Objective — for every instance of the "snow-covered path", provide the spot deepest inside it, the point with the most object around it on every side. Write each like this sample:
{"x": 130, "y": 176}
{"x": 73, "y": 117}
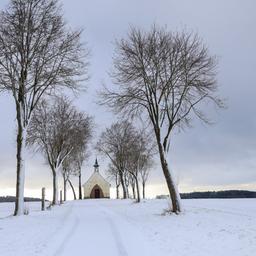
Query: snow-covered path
{"x": 123, "y": 228}
{"x": 92, "y": 225}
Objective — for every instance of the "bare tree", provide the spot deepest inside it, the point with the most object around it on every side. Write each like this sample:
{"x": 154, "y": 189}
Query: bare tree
{"x": 133, "y": 161}
{"x": 69, "y": 170}
{"x": 72, "y": 166}
{"x": 66, "y": 173}
{"x": 164, "y": 77}
{"x": 73, "y": 189}
{"x": 38, "y": 55}
{"x": 139, "y": 157}
{"x": 144, "y": 173}
{"x": 113, "y": 174}
{"x": 57, "y": 130}
{"x": 128, "y": 150}
{"x": 146, "y": 159}
{"x": 81, "y": 156}
{"x": 113, "y": 143}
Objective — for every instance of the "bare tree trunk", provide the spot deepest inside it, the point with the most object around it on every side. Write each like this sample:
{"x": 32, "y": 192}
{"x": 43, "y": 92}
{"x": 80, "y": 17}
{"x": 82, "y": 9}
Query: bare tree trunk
{"x": 143, "y": 189}
{"x": 127, "y": 191}
{"x": 21, "y": 139}
{"x": 126, "y": 185}
{"x": 72, "y": 187}
{"x": 80, "y": 186}
{"x": 174, "y": 194}
{"x": 61, "y": 202}
{"x": 135, "y": 184}
{"x": 138, "y": 189}
{"x": 65, "y": 188}
{"x": 117, "y": 191}
{"x": 55, "y": 187}
{"x": 133, "y": 191}
{"x": 117, "y": 185}
{"x": 123, "y": 186}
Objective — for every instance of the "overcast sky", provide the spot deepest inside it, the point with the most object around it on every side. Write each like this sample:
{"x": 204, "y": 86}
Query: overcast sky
{"x": 222, "y": 156}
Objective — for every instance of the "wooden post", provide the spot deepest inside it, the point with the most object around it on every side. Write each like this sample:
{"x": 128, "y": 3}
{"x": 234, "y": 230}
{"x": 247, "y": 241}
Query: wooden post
{"x": 61, "y": 202}
{"x": 43, "y": 200}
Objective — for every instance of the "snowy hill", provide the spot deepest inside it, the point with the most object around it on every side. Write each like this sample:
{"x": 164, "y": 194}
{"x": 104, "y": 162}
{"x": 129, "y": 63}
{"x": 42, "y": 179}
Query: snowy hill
{"x": 212, "y": 227}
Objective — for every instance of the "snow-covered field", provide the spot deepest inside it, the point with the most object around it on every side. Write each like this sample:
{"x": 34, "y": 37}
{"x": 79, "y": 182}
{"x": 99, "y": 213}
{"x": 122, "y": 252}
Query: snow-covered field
{"x": 123, "y": 228}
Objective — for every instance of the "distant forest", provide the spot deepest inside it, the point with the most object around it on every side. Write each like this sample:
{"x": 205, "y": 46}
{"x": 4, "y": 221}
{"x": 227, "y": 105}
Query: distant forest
{"x": 10, "y": 199}
{"x": 192, "y": 195}
{"x": 220, "y": 194}
{"x": 217, "y": 194}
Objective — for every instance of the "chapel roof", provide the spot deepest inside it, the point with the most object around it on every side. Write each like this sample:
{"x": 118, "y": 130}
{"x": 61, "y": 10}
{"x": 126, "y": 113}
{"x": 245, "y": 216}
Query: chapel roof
{"x": 96, "y": 175}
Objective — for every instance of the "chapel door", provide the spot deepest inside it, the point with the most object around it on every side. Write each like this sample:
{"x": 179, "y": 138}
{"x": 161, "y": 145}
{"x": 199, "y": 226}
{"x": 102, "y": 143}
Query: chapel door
{"x": 97, "y": 193}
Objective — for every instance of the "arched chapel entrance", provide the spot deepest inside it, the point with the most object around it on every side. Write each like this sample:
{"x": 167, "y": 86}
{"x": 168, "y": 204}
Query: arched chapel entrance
{"x": 96, "y": 192}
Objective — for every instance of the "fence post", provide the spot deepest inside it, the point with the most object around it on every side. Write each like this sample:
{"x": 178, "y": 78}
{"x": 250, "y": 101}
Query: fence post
{"x": 43, "y": 200}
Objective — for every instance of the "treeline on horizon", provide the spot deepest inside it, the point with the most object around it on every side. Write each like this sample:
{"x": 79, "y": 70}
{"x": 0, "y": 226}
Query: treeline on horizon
{"x": 11, "y": 199}
{"x": 220, "y": 194}
{"x": 191, "y": 195}
{"x": 217, "y": 194}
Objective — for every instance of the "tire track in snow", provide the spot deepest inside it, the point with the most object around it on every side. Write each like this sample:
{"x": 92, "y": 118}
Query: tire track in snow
{"x": 77, "y": 223}
{"x": 123, "y": 238}
{"x": 63, "y": 232}
{"x": 114, "y": 230}
{"x": 68, "y": 234}
{"x": 138, "y": 244}
{"x": 117, "y": 237}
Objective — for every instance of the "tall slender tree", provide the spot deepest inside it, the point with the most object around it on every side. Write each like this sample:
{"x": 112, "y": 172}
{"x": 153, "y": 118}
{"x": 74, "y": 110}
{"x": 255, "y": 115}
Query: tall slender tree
{"x": 38, "y": 55}
{"x": 164, "y": 77}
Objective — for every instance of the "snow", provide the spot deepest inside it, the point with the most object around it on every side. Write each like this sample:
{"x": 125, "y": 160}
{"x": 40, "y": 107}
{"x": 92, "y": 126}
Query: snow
{"x": 124, "y": 228}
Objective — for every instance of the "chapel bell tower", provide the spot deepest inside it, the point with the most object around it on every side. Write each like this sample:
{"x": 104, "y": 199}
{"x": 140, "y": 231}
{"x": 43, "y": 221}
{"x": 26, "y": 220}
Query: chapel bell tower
{"x": 96, "y": 166}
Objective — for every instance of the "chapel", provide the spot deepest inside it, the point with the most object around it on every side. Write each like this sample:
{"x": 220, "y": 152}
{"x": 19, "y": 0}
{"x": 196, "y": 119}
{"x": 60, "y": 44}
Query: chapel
{"x": 96, "y": 186}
